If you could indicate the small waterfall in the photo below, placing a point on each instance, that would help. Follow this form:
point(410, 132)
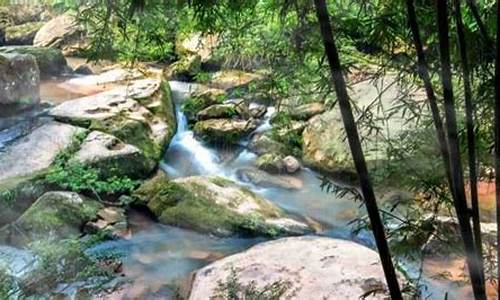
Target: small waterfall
point(186, 155)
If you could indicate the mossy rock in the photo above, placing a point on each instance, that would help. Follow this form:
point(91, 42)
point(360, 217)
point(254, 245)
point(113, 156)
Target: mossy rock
point(185, 69)
point(271, 162)
point(215, 205)
point(56, 215)
point(223, 131)
point(201, 100)
point(51, 62)
point(22, 34)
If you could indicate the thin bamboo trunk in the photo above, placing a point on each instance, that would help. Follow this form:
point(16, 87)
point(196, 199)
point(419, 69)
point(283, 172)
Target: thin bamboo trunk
point(356, 150)
point(497, 138)
point(423, 71)
point(471, 139)
point(455, 159)
point(477, 17)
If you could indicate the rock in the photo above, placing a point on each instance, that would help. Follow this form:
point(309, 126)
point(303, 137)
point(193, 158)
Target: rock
point(19, 82)
point(184, 69)
point(140, 114)
point(230, 80)
point(215, 205)
point(83, 69)
point(305, 111)
point(51, 62)
point(62, 33)
point(22, 34)
point(270, 162)
point(324, 147)
point(257, 110)
point(57, 215)
point(266, 180)
point(223, 131)
point(292, 164)
point(263, 143)
point(217, 111)
point(19, 167)
point(201, 99)
point(111, 220)
point(112, 156)
point(115, 75)
point(320, 268)
point(198, 44)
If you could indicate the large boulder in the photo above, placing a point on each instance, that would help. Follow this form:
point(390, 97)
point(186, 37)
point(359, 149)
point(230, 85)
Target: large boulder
point(305, 111)
point(62, 33)
point(22, 34)
point(215, 205)
point(304, 268)
point(184, 69)
point(262, 143)
point(324, 146)
point(111, 156)
point(198, 44)
point(224, 110)
point(223, 131)
point(25, 160)
point(19, 82)
point(54, 215)
point(51, 62)
point(200, 99)
point(140, 114)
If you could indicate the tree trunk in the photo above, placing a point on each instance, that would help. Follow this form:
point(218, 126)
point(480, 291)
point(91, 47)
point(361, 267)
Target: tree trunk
point(356, 150)
point(471, 140)
point(455, 159)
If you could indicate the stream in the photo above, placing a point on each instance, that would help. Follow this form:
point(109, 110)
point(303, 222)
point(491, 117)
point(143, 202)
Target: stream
point(159, 258)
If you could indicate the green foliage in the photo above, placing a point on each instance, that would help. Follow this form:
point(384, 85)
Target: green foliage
point(78, 177)
point(233, 289)
point(284, 132)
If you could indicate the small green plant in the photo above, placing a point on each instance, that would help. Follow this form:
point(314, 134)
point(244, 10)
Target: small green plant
point(233, 289)
point(203, 77)
point(284, 132)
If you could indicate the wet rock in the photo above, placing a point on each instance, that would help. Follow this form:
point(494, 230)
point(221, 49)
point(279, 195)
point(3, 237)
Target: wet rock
point(266, 180)
point(184, 69)
point(271, 162)
point(320, 268)
point(19, 82)
point(292, 164)
point(215, 205)
point(198, 44)
point(140, 114)
point(263, 143)
point(54, 215)
point(115, 75)
point(201, 99)
point(112, 156)
point(83, 69)
point(111, 220)
point(223, 131)
point(257, 110)
point(51, 62)
point(22, 34)
point(19, 167)
point(62, 33)
point(217, 111)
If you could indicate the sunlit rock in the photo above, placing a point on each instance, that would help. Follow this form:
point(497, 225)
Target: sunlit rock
point(215, 205)
point(140, 114)
point(62, 33)
point(307, 267)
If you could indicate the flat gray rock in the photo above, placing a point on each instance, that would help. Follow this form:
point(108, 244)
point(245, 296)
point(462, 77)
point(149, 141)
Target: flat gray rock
point(35, 152)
